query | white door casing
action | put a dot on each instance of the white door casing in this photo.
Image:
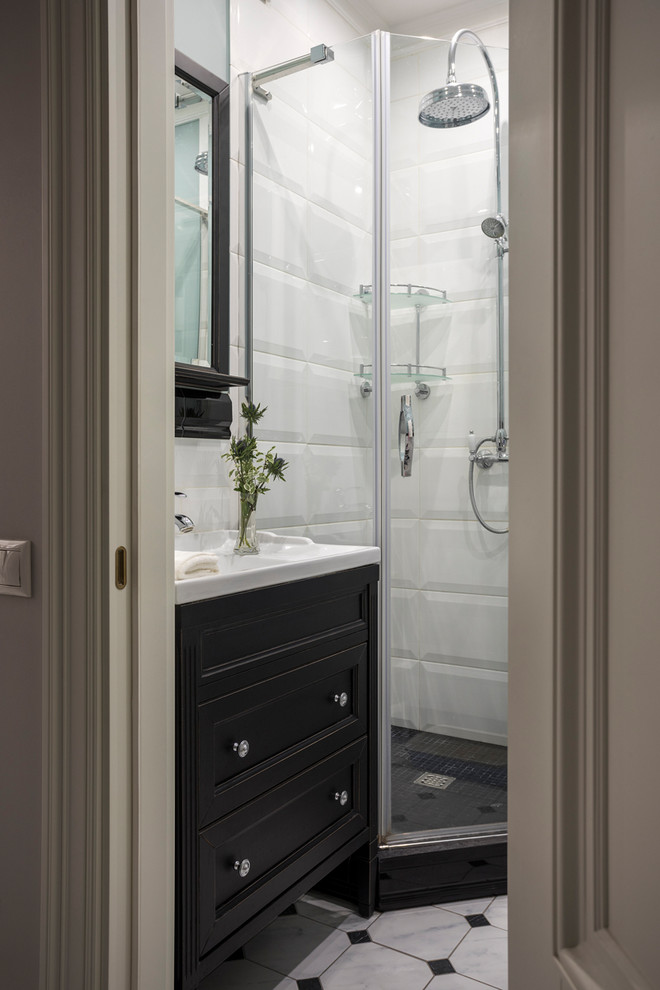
(108, 786)
(584, 677)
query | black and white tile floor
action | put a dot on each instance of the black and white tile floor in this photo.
(319, 944)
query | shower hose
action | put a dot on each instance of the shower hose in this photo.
(491, 529)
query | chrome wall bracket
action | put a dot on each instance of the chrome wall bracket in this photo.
(317, 55)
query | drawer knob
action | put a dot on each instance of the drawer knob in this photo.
(341, 699)
(242, 748)
(341, 796)
(242, 867)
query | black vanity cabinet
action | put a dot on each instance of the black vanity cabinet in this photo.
(276, 758)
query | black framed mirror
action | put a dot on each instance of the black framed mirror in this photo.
(201, 250)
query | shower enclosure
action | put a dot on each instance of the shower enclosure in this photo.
(376, 285)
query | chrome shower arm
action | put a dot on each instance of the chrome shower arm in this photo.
(501, 436)
(451, 78)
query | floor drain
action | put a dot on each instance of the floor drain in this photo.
(436, 780)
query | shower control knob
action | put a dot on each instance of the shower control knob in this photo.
(485, 458)
(341, 796)
(242, 748)
(341, 699)
(242, 867)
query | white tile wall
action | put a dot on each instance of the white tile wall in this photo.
(443, 473)
(339, 252)
(404, 692)
(462, 556)
(463, 629)
(467, 702)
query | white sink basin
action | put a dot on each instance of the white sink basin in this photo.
(280, 559)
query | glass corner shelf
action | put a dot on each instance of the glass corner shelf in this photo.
(407, 373)
(405, 296)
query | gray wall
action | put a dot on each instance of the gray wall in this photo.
(21, 492)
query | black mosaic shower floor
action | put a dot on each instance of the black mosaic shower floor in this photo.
(477, 796)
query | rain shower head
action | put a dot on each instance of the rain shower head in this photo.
(454, 105)
(494, 227)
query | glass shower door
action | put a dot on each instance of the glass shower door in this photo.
(448, 596)
(372, 302)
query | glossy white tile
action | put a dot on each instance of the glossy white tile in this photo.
(280, 320)
(404, 77)
(462, 557)
(337, 413)
(280, 143)
(468, 629)
(461, 261)
(466, 702)
(258, 31)
(209, 508)
(340, 180)
(295, 11)
(453, 981)
(404, 261)
(467, 402)
(424, 932)
(281, 385)
(404, 692)
(458, 192)
(297, 947)
(444, 489)
(498, 913)
(339, 330)
(198, 463)
(280, 227)
(404, 618)
(339, 483)
(405, 133)
(369, 966)
(404, 536)
(339, 253)
(477, 906)
(349, 532)
(461, 336)
(482, 955)
(404, 492)
(286, 503)
(405, 203)
(342, 106)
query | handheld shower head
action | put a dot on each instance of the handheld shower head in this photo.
(494, 227)
(453, 105)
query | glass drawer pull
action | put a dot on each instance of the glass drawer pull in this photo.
(242, 748)
(341, 796)
(341, 699)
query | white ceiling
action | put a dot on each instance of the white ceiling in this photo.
(437, 18)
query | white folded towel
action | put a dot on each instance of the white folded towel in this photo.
(194, 564)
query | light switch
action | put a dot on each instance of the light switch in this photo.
(15, 571)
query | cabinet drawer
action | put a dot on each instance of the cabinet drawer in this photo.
(285, 722)
(253, 624)
(281, 835)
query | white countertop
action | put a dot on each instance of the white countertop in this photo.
(280, 559)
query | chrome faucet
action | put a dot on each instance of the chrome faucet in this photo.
(184, 523)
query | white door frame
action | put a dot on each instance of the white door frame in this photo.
(558, 717)
(108, 698)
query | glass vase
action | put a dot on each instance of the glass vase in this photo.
(246, 540)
